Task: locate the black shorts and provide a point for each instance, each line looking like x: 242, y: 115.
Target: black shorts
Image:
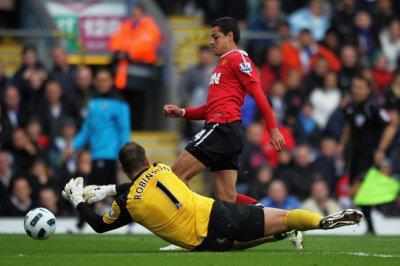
x: 218, y: 146
x: 231, y: 222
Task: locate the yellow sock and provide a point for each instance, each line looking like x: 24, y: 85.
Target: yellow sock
x: 302, y: 220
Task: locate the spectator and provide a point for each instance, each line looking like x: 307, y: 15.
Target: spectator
x: 259, y: 185
x: 135, y: 46
x: 277, y: 100
x: 14, y: 113
x: 381, y: 74
x: 334, y: 126
x: 390, y: 43
x: 252, y: 157
x: 332, y: 41
x: 315, y: 78
x: 3, y: 79
x: 62, y: 72
x: 48, y: 198
x: 20, y: 201
x: 278, y: 197
x: 301, y: 53
x: 272, y: 70
x: 340, y: 20
x: 325, y: 100
x: 30, y: 65
x: 284, y: 164
x: 382, y: 14
x: 53, y: 111
x: 295, y: 96
x: 366, y: 38
x: 313, y: 18
x: 42, y: 176
x: 350, y: 67
x: 35, y: 134
x: 23, y: 151
x: 105, y: 129
x: 79, y: 96
x: 62, y: 142
x: 319, y: 202
x: 6, y: 175
x: 268, y: 21
x: 194, y: 85
x: 309, y: 131
x: 327, y: 165
x: 35, y: 90
x: 299, y: 176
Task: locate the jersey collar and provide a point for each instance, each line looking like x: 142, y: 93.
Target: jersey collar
x: 228, y: 53
x: 140, y: 173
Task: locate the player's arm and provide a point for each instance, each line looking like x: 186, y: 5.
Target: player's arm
x: 117, y: 217
x: 198, y: 113
x: 250, y: 80
x: 391, y: 120
x: 95, y: 193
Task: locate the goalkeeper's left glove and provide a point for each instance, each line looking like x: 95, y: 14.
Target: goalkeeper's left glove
x: 95, y: 193
x: 73, y: 191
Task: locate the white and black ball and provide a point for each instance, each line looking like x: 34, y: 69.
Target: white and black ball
x: 40, y: 223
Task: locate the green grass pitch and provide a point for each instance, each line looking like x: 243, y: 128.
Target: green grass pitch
x: 142, y: 250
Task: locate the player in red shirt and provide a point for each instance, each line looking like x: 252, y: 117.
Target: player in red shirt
x: 220, y: 142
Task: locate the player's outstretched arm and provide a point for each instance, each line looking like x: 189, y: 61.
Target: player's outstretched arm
x: 116, y: 218
x: 95, y: 193
x: 277, y: 140
x: 174, y: 111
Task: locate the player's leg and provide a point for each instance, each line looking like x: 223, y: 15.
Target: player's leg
x: 224, y: 184
x: 277, y: 221
x: 187, y: 166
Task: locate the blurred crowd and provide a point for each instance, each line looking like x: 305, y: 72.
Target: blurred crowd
x: 56, y: 124
x: 330, y: 70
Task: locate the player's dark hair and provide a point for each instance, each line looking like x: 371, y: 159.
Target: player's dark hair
x: 132, y: 157
x: 226, y: 25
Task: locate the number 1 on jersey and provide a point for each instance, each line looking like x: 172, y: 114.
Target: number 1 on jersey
x: 169, y: 195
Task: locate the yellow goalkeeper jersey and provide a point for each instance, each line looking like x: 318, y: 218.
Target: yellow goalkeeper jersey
x: 161, y: 202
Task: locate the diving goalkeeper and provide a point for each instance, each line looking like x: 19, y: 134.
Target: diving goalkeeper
x: 158, y: 200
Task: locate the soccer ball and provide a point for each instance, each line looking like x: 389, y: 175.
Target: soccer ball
x: 40, y: 223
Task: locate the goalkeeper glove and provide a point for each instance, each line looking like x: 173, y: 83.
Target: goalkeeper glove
x: 73, y: 191
x: 95, y: 193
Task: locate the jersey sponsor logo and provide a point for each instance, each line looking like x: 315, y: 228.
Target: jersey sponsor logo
x: 215, y: 78
x: 245, y: 67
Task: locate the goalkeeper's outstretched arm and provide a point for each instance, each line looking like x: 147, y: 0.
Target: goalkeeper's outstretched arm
x: 112, y: 220
x: 118, y: 215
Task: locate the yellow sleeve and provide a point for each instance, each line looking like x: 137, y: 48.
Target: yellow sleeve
x: 113, y: 214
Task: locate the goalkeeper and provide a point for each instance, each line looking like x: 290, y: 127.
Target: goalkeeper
x: 158, y: 200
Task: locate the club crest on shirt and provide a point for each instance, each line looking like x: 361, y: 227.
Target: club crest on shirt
x: 245, y: 67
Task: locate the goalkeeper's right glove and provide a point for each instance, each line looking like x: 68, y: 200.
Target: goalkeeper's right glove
x: 95, y: 193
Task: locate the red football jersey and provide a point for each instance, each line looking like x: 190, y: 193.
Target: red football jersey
x: 234, y: 76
